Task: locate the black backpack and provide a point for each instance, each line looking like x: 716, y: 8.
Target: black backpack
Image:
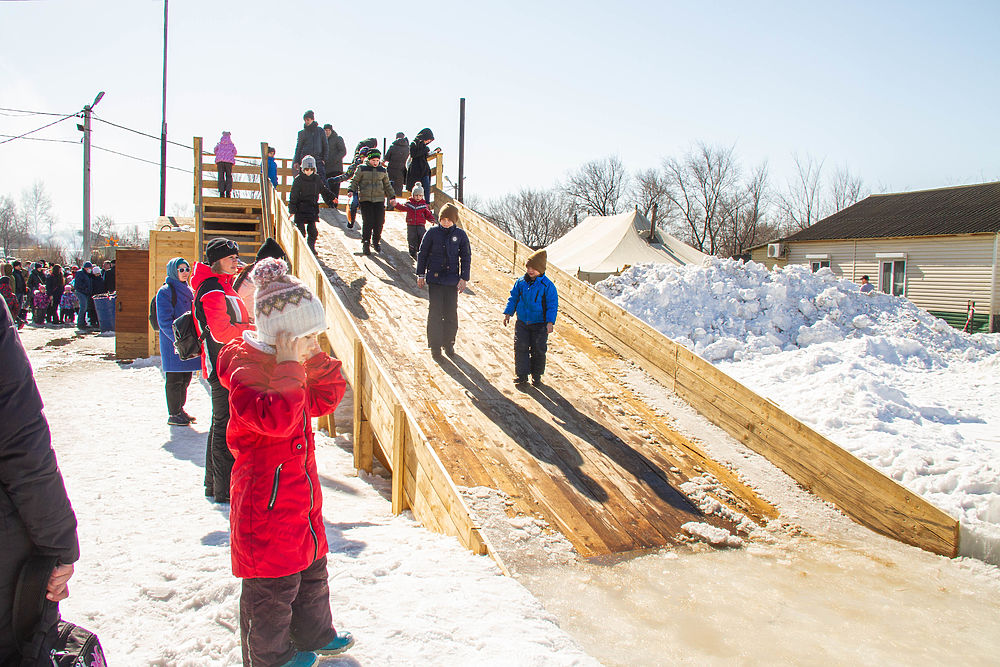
x: 44, y: 639
x: 153, y: 321
x: 187, y: 342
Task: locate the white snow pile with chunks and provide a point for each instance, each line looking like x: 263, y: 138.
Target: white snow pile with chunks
x: 884, y: 379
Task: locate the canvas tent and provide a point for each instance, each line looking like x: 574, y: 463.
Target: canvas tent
x: 603, y: 246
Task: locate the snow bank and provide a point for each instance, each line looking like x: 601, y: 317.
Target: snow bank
x: 883, y: 378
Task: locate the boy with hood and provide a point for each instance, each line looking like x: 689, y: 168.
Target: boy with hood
x: 225, y: 158
x: 303, y: 201
x: 418, y: 214
x: 536, y: 303
x: 372, y: 186
x: 278, y: 379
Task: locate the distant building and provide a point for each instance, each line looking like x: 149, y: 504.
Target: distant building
x: 938, y: 248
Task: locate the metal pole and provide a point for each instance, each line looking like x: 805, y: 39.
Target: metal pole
x: 86, y: 185
x: 163, y: 126
x: 461, y: 150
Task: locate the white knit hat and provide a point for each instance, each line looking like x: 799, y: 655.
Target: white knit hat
x: 283, y: 304
x: 418, y: 190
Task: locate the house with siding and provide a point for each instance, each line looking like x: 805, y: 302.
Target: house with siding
x: 938, y: 248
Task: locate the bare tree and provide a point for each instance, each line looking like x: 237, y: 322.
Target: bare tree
x: 700, y: 185
x: 534, y: 217
x: 103, y: 225
x: 133, y: 236
x: 36, y: 207
x: 846, y: 189
x: 802, y: 203
x: 746, y: 213
x: 599, y: 186
x: 13, y: 227
x: 649, y: 187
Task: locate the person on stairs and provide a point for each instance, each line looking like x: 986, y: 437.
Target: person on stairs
x: 443, y: 266
x: 303, y: 202
x: 278, y: 379
x: 225, y: 158
x: 372, y: 186
x: 536, y: 302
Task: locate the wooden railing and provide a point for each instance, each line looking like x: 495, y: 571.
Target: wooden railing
x: 830, y: 472
x: 384, y: 426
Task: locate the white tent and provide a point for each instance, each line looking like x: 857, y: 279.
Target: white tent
x: 603, y: 246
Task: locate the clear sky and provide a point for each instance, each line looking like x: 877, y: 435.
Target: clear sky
x: 905, y: 94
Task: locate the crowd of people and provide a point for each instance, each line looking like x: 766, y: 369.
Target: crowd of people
x: 48, y: 294
x: 257, y: 328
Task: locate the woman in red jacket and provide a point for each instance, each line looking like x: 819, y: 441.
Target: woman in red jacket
x: 278, y: 379
x: 221, y: 316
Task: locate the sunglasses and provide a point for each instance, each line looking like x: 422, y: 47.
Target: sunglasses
x: 183, y: 268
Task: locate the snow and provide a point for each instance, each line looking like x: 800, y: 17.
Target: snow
x: 154, y: 578
x: 892, y: 384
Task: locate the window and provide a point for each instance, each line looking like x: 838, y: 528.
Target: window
x: 818, y: 264
x: 892, y: 277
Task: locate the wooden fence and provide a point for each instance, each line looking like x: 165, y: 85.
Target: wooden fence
x: 819, y: 465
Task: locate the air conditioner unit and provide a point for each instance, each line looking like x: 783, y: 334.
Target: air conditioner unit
x: 775, y: 249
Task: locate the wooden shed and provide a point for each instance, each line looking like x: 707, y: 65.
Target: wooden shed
x: 938, y: 248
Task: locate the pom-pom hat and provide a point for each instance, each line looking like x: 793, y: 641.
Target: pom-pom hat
x: 283, y: 304
x: 418, y: 190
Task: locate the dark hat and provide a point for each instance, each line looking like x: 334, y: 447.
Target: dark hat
x: 371, y: 142
x: 270, y: 248
x: 328, y: 127
x: 309, y: 115
x: 537, y: 261
x: 425, y: 134
x: 400, y: 135
x: 219, y: 248
x: 86, y: 265
x: 373, y: 153
x: 449, y: 211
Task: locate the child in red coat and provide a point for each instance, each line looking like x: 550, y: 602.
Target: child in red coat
x: 278, y: 379
x: 418, y: 214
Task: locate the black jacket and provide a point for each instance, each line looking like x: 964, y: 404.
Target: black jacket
x: 35, y: 512
x: 336, y: 151
x: 396, y: 156
x: 444, y: 255
x: 311, y: 141
x: 35, y: 278
x: 109, y: 280
x: 97, y: 284
x: 303, y: 201
x: 20, y: 286
x: 418, y: 163
x: 54, y: 285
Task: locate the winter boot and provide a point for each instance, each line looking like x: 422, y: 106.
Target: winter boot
x: 342, y: 642
x: 302, y: 659
x: 365, y: 249
x: 177, y: 420
x: 536, y: 380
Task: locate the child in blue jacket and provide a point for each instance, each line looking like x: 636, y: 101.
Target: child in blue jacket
x: 536, y: 303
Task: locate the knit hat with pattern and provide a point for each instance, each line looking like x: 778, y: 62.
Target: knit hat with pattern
x: 283, y: 304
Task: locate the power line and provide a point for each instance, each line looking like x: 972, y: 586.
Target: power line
x: 58, y: 120
x: 100, y: 148
x: 145, y: 134
x: 59, y: 141
x: 33, y: 113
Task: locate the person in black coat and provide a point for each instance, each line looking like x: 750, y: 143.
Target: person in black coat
x: 443, y: 265
x: 336, y: 151
x: 36, y: 516
x: 303, y: 200
x: 20, y: 283
x: 54, y: 288
x: 109, y: 276
x: 395, y: 159
x: 311, y: 141
x: 419, y: 171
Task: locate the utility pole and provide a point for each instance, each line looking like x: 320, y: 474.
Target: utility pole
x: 86, y: 174
x: 461, y: 150
x: 163, y: 126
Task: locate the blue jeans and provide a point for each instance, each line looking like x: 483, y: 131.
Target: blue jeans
x: 81, y: 317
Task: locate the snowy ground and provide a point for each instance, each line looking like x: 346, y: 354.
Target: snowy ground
x: 899, y: 388
x: 154, y: 578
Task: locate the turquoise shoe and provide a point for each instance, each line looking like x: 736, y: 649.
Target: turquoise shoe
x: 302, y: 659
x: 342, y: 642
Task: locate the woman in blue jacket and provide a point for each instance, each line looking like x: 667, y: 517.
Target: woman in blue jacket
x: 173, y: 300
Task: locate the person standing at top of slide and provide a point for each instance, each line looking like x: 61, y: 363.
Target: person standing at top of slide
x: 311, y: 141
x: 419, y: 171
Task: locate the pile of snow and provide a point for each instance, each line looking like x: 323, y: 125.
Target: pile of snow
x: 884, y: 379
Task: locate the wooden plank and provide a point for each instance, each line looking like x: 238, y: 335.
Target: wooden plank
x: 237, y: 185
x: 398, y: 439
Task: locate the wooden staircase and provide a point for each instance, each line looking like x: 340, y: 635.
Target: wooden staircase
x: 239, y: 218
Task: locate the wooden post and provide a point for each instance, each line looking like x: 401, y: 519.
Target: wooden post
x: 438, y: 174
x: 398, y: 466
x: 199, y: 222
x: 363, y: 450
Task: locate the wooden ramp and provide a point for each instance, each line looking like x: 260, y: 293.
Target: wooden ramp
x: 582, y: 452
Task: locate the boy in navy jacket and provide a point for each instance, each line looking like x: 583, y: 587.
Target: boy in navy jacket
x: 443, y: 264
x: 536, y: 302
